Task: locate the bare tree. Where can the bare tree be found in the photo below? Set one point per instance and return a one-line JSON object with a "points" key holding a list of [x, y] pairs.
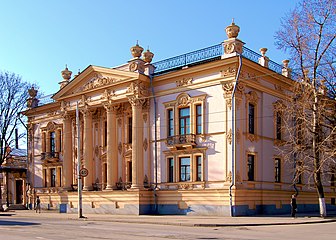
{"points": [[308, 34], [13, 97]]}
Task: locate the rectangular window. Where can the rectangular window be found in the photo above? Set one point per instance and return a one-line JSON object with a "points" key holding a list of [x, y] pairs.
{"points": [[251, 116], [250, 167], [199, 168], [184, 119], [170, 122], [105, 133], [60, 176], [52, 177], [199, 119], [184, 169], [60, 141], [277, 169], [45, 177], [170, 169], [52, 142], [278, 125], [130, 130]]}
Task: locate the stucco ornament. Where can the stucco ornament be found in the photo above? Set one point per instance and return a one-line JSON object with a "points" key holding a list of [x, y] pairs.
{"points": [[183, 82], [229, 71], [183, 100], [252, 97], [229, 136], [97, 81]]}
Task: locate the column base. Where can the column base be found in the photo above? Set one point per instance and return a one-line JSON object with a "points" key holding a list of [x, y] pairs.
{"points": [[87, 188], [67, 189], [136, 187], [109, 188]]}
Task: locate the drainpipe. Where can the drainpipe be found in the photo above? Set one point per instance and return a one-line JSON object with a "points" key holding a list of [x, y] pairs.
{"points": [[155, 145], [232, 212]]}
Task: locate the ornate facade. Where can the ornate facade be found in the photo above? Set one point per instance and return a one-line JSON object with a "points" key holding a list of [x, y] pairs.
{"points": [[194, 138]]}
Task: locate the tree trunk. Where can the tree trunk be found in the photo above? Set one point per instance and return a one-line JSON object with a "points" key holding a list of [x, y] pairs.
{"points": [[317, 155]]}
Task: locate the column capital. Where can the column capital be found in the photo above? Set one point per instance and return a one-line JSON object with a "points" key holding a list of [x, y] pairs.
{"points": [[137, 102], [112, 107]]}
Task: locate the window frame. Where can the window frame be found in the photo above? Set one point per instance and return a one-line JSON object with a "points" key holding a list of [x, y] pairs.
{"points": [[278, 125], [53, 177], [170, 122], [199, 168], [251, 118], [170, 170], [186, 128], [251, 167], [52, 141], [187, 170], [198, 119], [277, 170]]}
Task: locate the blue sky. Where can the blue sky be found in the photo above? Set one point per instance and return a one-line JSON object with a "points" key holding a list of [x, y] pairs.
{"points": [[38, 37]]}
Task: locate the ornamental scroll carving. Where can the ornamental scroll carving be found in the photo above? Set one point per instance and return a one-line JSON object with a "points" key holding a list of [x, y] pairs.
{"points": [[252, 97], [114, 108], [98, 81], [229, 71], [183, 100], [184, 82], [64, 106], [229, 136], [107, 95], [137, 93], [138, 89], [279, 106], [228, 90]]}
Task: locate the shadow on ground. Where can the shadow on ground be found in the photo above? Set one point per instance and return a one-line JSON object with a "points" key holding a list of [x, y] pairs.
{"points": [[16, 223]]}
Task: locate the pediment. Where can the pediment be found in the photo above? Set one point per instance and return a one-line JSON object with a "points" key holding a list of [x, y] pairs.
{"points": [[94, 78]]}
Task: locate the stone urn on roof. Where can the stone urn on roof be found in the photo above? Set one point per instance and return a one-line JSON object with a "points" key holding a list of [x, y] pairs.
{"points": [[136, 50], [232, 30]]}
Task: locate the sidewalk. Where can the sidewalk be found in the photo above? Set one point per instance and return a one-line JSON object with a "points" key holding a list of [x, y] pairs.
{"points": [[191, 221]]}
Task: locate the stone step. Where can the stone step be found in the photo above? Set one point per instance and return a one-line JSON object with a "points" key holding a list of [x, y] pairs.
{"points": [[17, 207]]}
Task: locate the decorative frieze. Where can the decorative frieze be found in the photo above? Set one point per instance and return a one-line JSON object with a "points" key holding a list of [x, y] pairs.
{"points": [[229, 71], [184, 82], [98, 81]]}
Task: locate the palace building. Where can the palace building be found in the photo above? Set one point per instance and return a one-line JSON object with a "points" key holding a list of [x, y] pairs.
{"points": [[193, 134]]}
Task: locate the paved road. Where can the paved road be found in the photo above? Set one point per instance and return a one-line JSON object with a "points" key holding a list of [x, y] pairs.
{"points": [[37, 227]]}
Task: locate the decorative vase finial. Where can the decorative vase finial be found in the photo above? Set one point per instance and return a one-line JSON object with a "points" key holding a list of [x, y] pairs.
{"points": [[136, 50], [232, 30], [148, 56]]}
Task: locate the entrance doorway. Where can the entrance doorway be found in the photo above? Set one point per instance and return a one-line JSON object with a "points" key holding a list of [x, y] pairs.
{"points": [[19, 191]]}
